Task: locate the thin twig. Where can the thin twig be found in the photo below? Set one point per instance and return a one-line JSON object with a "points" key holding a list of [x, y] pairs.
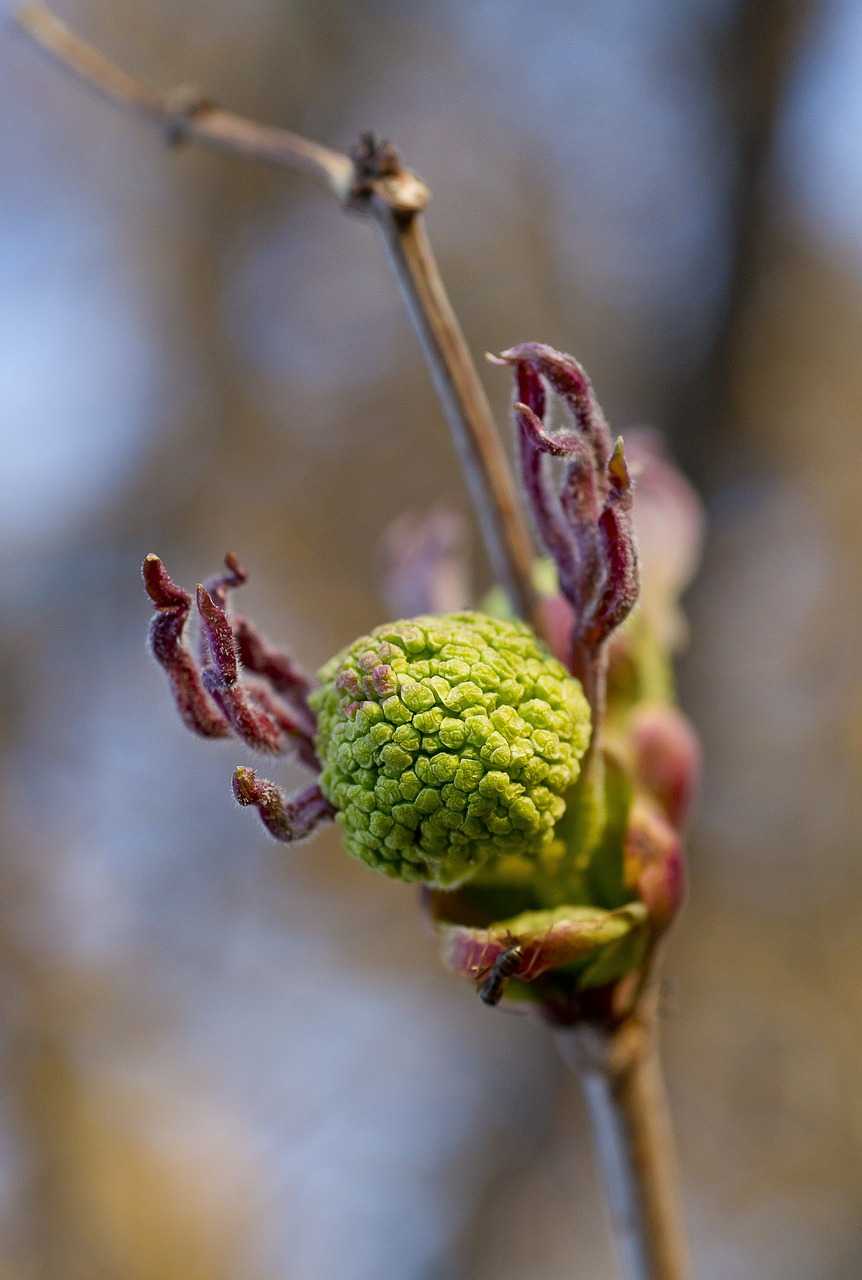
{"points": [[395, 197], [458, 385], [192, 118], [621, 1077]]}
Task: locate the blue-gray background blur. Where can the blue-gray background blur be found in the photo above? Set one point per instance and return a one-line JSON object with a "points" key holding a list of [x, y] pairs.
{"points": [[224, 1059]]}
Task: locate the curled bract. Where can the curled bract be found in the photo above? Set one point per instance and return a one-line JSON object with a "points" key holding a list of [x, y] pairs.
{"points": [[584, 518]]}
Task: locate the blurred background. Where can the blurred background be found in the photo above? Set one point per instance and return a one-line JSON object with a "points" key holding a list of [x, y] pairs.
{"points": [[221, 1058]]}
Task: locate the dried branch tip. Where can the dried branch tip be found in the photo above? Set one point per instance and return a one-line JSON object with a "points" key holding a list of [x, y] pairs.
{"points": [[378, 174]]}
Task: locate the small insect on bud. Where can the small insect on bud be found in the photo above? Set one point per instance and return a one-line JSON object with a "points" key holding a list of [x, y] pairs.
{"points": [[602, 944], [446, 741]]}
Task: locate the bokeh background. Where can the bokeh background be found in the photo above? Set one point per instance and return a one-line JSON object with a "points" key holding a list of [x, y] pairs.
{"points": [[222, 1059]]}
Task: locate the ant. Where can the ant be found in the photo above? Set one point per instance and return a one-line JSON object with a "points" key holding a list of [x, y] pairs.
{"points": [[495, 976], [503, 968]]}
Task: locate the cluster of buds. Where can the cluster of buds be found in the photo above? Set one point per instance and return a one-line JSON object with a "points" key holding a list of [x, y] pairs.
{"points": [[536, 788]]}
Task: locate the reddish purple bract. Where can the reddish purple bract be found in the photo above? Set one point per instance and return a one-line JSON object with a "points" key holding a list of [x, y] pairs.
{"points": [[270, 715], [585, 521]]}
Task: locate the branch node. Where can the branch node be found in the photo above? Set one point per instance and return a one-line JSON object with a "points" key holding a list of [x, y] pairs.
{"points": [[379, 176], [182, 105]]}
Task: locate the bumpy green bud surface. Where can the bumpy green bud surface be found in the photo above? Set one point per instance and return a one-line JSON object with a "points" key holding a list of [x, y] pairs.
{"points": [[446, 741]]}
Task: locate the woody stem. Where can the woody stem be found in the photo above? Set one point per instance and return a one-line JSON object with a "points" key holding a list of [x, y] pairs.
{"points": [[621, 1077]]}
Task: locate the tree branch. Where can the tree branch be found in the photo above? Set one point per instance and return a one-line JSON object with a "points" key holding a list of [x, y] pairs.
{"points": [[372, 181], [458, 385], [621, 1077], [183, 115]]}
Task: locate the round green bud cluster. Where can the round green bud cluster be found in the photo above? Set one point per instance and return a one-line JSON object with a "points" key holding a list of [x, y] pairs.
{"points": [[446, 741]]}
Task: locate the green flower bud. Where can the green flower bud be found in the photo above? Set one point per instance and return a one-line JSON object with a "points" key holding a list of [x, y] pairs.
{"points": [[446, 741]]}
